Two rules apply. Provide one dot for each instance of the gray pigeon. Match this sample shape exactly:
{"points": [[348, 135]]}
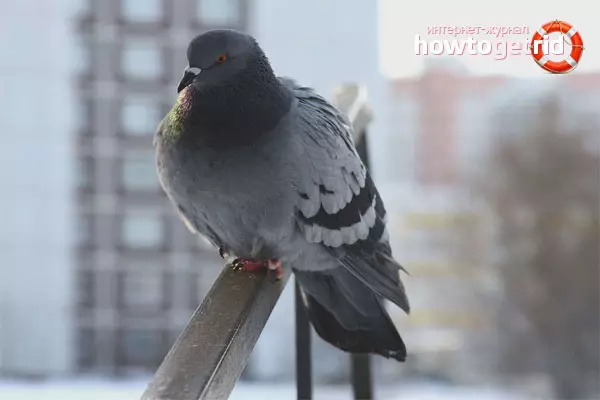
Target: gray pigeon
{"points": [[267, 171]]}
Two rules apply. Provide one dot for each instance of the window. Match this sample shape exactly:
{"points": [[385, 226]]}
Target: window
{"points": [[142, 59], [142, 288], [143, 228], [85, 173], [85, 288], [86, 348], [140, 347], [84, 234], [83, 112], [219, 12], [142, 10], [139, 171], [140, 115]]}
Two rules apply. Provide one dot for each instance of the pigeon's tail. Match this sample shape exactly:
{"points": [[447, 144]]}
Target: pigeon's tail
{"points": [[349, 315]]}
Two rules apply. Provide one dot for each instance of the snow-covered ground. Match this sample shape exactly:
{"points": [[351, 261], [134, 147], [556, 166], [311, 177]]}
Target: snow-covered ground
{"points": [[132, 390]]}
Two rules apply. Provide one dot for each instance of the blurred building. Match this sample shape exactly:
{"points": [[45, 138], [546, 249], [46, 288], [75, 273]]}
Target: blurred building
{"points": [[102, 276], [140, 273], [443, 242], [441, 123]]}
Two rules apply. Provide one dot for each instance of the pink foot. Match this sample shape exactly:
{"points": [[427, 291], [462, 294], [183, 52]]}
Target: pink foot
{"points": [[275, 266], [256, 266], [248, 265]]}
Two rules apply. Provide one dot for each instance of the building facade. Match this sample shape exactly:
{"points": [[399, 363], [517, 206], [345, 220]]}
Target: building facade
{"points": [[140, 274], [440, 126], [443, 124], [439, 121]]}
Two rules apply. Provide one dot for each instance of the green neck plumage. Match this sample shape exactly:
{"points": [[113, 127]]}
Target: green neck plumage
{"points": [[177, 116]]}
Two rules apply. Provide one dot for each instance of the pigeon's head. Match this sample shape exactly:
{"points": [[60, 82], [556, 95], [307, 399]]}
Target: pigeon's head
{"points": [[219, 55]]}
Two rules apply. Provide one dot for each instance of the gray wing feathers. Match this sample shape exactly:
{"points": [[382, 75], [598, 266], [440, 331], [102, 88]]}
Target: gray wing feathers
{"points": [[333, 173], [383, 280]]}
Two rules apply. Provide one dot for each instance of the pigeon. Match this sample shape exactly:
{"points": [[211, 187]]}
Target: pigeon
{"points": [[267, 171]]}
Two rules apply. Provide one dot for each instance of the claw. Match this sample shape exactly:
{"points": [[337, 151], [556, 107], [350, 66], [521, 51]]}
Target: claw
{"points": [[222, 253]]}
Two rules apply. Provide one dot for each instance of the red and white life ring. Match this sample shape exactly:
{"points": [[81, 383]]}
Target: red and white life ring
{"points": [[566, 65]]}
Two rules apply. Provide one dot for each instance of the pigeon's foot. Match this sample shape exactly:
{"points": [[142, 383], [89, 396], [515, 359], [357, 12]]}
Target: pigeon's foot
{"points": [[275, 266], [240, 264]]}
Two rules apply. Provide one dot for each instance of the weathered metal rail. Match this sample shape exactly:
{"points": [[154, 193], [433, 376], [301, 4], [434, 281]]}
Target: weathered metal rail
{"points": [[212, 351]]}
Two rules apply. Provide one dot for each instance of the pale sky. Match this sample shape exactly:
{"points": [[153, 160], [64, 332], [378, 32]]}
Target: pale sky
{"points": [[401, 20]]}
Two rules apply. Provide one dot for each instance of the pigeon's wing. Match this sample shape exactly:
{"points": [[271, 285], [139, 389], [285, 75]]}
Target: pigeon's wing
{"points": [[338, 205]]}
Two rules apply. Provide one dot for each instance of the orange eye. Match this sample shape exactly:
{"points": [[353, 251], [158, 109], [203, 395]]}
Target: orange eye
{"points": [[221, 58]]}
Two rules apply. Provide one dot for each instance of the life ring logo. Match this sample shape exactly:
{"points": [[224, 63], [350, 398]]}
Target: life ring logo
{"points": [[540, 49]]}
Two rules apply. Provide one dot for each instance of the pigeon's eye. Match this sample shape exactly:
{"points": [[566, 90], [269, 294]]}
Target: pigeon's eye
{"points": [[222, 58]]}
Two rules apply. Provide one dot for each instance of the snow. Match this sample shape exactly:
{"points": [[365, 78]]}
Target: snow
{"points": [[132, 390]]}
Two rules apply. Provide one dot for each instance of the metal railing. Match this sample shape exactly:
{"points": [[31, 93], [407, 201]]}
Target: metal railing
{"points": [[212, 351]]}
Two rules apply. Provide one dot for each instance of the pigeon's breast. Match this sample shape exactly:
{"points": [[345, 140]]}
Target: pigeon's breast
{"points": [[243, 195]]}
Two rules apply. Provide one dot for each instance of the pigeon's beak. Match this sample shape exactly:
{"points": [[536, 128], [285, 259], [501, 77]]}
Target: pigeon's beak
{"points": [[189, 74]]}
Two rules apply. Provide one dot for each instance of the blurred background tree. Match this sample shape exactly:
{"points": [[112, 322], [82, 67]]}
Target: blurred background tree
{"points": [[542, 189]]}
